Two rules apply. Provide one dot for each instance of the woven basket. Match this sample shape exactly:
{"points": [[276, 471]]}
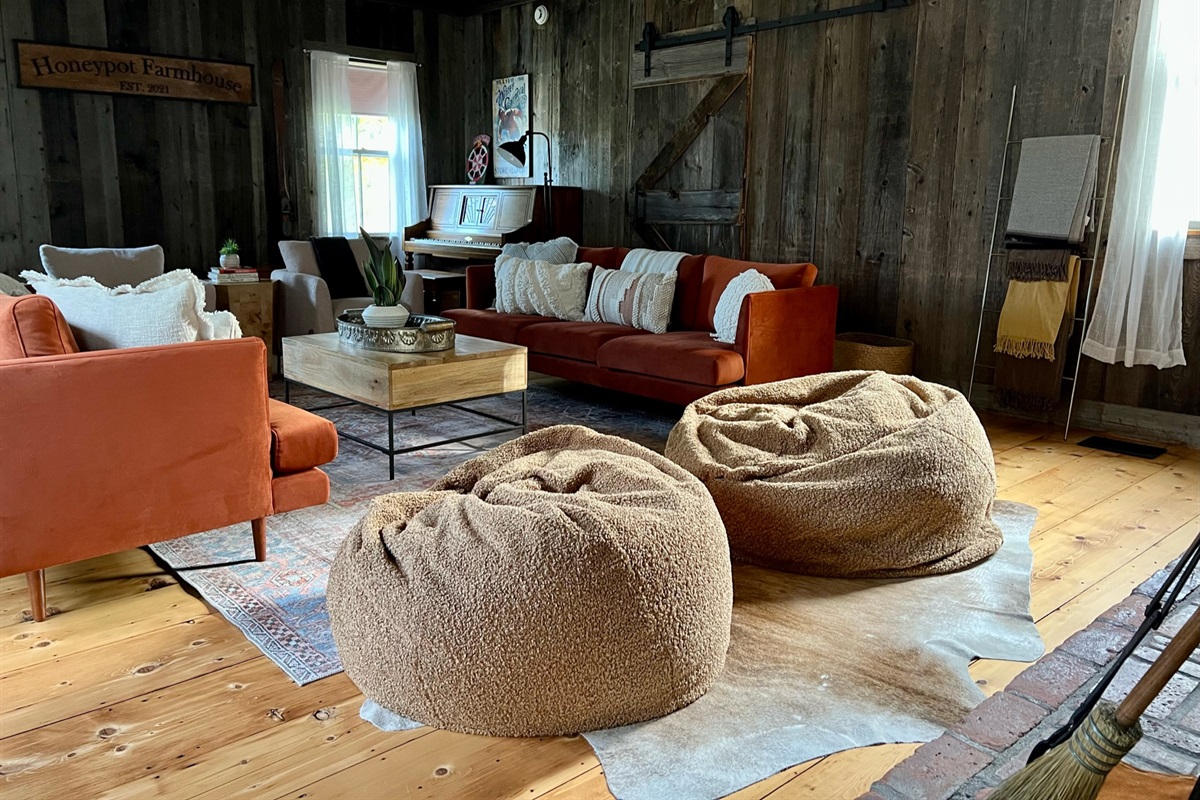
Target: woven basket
{"points": [[872, 351]]}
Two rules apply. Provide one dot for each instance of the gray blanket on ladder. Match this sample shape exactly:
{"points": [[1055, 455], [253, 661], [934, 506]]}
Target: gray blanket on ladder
{"points": [[1056, 179]]}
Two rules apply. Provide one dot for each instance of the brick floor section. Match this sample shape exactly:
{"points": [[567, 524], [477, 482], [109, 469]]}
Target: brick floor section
{"points": [[1000, 720], [935, 770], [995, 739], [1053, 679]]}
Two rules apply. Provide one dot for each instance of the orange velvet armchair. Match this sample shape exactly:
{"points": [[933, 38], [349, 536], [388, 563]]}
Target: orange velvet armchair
{"points": [[107, 450]]}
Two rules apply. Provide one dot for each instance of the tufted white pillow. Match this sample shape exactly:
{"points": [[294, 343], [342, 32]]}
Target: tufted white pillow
{"points": [[729, 306], [556, 251], [168, 309], [538, 287]]}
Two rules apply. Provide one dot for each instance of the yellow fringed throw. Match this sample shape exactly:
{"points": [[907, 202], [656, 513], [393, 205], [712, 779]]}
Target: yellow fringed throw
{"points": [[1032, 314]]}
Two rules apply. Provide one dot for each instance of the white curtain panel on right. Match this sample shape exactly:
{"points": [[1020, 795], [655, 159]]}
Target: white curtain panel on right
{"points": [[1139, 313], [406, 161]]}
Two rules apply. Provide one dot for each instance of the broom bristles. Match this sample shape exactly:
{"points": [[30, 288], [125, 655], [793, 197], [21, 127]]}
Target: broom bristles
{"points": [[1076, 769]]}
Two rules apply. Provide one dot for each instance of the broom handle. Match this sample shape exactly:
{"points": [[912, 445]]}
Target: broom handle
{"points": [[1177, 651]]}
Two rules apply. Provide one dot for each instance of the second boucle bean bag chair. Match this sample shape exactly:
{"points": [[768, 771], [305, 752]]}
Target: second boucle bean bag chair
{"points": [[562, 582], [847, 474]]}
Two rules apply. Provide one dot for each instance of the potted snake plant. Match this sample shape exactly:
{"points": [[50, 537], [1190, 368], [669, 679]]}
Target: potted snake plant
{"points": [[386, 281]]}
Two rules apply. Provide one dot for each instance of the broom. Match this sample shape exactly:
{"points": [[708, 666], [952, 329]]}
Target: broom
{"points": [[1076, 769]]}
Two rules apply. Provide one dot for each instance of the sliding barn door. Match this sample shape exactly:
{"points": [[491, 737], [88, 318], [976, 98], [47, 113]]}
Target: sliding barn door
{"points": [[688, 154]]}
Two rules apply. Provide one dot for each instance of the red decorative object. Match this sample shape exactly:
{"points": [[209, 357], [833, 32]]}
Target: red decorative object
{"points": [[477, 158]]}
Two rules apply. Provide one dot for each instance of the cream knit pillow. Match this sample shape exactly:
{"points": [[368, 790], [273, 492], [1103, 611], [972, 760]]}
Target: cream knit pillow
{"points": [[556, 251], [539, 287], [729, 306], [168, 309]]}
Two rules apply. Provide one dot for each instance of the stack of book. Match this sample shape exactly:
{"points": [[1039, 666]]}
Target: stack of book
{"points": [[238, 275]]}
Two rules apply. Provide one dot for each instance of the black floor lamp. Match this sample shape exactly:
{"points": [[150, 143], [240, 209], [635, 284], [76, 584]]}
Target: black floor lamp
{"points": [[516, 149]]}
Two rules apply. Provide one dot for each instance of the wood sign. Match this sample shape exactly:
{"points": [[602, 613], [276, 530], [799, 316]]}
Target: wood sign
{"points": [[85, 69]]}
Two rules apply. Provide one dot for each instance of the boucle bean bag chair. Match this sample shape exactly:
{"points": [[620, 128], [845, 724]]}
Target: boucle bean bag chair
{"points": [[846, 474], [563, 582]]}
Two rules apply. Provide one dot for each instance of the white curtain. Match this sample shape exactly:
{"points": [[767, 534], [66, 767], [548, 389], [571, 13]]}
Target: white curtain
{"points": [[1139, 314], [333, 138], [406, 159]]}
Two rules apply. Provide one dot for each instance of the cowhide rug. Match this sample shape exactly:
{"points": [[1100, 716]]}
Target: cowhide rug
{"points": [[819, 665]]}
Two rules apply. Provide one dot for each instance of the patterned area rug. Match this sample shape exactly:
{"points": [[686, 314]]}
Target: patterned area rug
{"points": [[280, 603]]}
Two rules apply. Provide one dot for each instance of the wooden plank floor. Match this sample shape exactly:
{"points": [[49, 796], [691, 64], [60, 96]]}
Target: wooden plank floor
{"points": [[137, 689]]}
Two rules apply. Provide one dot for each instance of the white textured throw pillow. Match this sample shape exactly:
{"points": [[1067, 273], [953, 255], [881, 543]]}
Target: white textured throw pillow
{"points": [[168, 309], [636, 300], [729, 306], [539, 287], [556, 251]]}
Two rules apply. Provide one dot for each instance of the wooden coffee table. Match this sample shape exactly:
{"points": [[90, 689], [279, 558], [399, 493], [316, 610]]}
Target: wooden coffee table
{"points": [[394, 382]]}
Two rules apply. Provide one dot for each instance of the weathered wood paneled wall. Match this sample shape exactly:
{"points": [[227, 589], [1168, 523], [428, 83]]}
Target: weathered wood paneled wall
{"points": [[874, 144], [94, 170]]}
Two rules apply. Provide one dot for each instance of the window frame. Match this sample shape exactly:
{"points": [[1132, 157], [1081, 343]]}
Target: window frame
{"points": [[357, 154]]}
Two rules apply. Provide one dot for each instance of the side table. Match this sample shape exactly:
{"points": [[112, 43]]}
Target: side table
{"points": [[253, 303], [442, 290]]}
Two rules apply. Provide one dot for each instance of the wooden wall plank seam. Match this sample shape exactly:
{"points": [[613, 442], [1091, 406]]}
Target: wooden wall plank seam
{"points": [[11, 235], [100, 175], [28, 148]]}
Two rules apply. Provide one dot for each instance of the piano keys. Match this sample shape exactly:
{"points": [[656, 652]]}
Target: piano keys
{"points": [[472, 223]]}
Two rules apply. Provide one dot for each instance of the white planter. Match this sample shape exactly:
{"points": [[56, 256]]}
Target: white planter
{"points": [[232, 261], [385, 316]]}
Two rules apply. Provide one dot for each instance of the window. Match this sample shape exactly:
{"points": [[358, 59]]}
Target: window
{"points": [[369, 165], [367, 150]]}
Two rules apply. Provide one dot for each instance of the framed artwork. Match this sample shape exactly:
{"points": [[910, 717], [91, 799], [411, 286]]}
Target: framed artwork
{"points": [[510, 121]]}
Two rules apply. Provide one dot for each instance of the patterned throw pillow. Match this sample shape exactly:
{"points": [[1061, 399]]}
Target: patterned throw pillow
{"points": [[729, 306], [539, 287], [556, 251], [636, 300], [168, 309]]}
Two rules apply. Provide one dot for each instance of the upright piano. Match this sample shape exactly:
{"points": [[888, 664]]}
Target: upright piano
{"points": [[473, 222]]}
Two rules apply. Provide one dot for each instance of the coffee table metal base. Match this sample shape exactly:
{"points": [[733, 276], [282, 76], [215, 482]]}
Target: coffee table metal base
{"points": [[391, 451]]}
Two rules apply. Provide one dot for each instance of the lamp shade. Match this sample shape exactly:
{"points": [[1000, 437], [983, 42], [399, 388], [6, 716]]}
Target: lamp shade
{"points": [[516, 149]]}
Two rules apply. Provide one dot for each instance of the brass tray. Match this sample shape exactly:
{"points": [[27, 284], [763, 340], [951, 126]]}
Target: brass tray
{"points": [[423, 333]]}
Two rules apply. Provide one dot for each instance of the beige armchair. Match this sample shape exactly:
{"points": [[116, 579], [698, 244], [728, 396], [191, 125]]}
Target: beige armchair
{"points": [[307, 306]]}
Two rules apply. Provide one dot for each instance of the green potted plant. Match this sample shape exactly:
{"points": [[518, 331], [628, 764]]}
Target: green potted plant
{"points": [[386, 281], [229, 255]]}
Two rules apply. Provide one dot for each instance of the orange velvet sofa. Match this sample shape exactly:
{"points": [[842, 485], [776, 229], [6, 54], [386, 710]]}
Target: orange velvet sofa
{"points": [[781, 334], [107, 450]]}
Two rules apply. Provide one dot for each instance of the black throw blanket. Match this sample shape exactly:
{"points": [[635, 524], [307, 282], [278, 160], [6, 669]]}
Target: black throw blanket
{"points": [[336, 262]]}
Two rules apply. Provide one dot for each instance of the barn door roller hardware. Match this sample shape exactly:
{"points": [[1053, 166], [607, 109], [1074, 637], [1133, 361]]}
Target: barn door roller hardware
{"points": [[731, 26]]}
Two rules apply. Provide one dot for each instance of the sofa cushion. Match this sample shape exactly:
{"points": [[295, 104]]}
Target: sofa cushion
{"points": [[718, 272], [298, 256], [690, 356], [489, 324], [299, 490], [300, 440], [577, 340], [31, 326], [607, 257], [110, 267], [686, 314]]}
